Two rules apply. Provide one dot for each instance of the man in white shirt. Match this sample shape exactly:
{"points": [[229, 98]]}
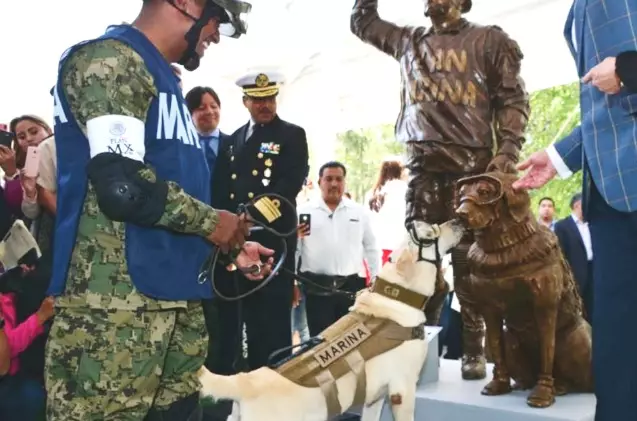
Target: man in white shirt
{"points": [[332, 249], [575, 241]]}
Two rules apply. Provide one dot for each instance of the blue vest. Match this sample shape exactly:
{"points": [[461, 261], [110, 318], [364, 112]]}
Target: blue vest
{"points": [[162, 264]]}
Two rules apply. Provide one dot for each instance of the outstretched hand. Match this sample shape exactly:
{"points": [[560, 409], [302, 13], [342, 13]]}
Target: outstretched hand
{"points": [[250, 258], [539, 171]]}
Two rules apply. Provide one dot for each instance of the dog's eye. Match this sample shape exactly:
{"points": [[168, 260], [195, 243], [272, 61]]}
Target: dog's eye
{"points": [[483, 192]]}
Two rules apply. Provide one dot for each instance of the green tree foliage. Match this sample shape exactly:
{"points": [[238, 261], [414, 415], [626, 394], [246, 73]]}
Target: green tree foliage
{"points": [[554, 113], [362, 152]]}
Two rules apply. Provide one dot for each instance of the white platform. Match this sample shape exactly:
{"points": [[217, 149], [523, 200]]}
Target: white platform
{"points": [[454, 399], [430, 370]]}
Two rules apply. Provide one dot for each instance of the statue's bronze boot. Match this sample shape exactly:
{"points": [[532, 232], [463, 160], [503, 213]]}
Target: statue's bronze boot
{"points": [[487, 352], [474, 364]]}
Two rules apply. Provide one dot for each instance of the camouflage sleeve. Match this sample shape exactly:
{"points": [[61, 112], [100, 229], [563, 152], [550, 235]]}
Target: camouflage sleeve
{"points": [[367, 25], [511, 101], [108, 77]]}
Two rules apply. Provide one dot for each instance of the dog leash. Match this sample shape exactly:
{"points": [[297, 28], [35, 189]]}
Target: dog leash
{"points": [[209, 266], [328, 290]]}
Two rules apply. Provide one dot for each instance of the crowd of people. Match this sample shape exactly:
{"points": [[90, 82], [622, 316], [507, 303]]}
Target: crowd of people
{"points": [[24, 307]]}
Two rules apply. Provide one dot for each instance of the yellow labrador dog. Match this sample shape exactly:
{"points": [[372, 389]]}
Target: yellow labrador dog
{"points": [[375, 351]]}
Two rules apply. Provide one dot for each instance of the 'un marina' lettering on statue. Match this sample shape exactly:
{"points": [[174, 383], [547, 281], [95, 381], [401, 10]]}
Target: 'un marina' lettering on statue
{"points": [[342, 345], [445, 81]]}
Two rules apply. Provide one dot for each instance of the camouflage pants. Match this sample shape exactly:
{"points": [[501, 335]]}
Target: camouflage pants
{"points": [[115, 365]]}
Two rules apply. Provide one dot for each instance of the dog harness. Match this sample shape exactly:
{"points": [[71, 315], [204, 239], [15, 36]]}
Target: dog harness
{"points": [[348, 344]]}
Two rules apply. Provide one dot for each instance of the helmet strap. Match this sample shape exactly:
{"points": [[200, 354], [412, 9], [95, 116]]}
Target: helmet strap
{"points": [[190, 59]]}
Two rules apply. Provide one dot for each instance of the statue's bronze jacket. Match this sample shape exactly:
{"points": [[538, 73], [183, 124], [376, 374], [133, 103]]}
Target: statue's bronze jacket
{"points": [[460, 86]]}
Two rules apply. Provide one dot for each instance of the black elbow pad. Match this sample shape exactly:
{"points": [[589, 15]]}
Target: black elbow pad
{"points": [[123, 194]]}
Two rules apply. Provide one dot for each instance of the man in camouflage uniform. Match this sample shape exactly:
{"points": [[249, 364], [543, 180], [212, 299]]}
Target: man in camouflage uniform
{"points": [[133, 223], [461, 90]]}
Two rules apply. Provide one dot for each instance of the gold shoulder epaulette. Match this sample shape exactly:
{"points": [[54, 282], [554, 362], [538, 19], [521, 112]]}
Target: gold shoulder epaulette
{"points": [[269, 208]]}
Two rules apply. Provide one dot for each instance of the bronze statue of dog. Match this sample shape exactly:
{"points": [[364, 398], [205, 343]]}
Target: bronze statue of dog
{"points": [[526, 292]]}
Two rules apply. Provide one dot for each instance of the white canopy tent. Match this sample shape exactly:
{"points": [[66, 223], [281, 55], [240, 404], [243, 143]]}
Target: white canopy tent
{"points": [[335, 82], [331, 71]]}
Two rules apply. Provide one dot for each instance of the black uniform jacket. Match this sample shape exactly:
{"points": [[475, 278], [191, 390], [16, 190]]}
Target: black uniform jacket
{"points": [[273, 160]]}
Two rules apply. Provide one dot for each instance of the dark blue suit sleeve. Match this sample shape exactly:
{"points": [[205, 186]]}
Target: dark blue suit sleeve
{"points": [[560, 232], [219, 187]]}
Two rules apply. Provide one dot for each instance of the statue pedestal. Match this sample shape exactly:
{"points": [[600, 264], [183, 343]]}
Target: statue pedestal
{"points": [[430, 371], [454, 399]]}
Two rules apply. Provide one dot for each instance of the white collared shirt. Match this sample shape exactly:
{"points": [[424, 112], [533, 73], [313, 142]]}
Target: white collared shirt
{"points": [[574, 36], [339, 240], [582, 227]]}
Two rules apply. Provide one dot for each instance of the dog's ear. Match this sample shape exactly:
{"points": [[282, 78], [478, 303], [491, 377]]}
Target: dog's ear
{"points": [[517, 203]]}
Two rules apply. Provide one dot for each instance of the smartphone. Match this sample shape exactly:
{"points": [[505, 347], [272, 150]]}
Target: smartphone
{"points": [[306, 218], [32, 162], [6, 138]]}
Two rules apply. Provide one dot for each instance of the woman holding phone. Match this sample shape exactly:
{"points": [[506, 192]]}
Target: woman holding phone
{"points": [[29, 168]]}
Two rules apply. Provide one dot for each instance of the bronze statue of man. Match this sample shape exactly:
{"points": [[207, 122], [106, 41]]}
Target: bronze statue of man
{"points": [[464, 109]]}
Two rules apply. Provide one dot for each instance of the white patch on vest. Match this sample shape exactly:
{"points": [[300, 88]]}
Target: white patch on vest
{"points": [[120, 134], [170, 121], [58, 110], [342, 345]]}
